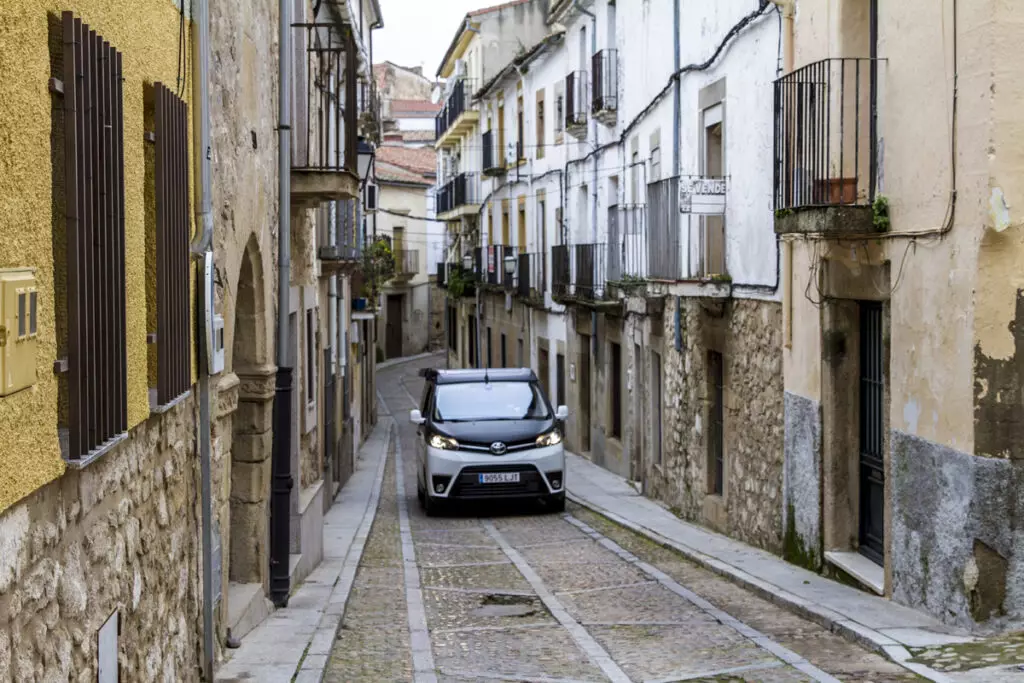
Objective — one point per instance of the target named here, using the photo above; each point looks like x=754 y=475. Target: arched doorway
x=251 y=428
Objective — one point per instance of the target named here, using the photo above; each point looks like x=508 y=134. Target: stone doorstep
x=247 y=608
x=866 y=572
x=890 y=642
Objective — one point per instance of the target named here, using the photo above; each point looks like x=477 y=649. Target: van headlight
x=552 y=438
x=445 y=443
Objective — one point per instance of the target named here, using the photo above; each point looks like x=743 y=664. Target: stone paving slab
x=278 y=649
x=871 y=621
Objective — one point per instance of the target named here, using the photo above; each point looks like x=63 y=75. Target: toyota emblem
x=498 y=448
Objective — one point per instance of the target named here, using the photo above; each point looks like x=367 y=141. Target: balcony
x=457 y=117
x=605 y=102
x=494 y=157
x=407 y=265
x=531 y=277
x=442 y=274
x=460 y=196
x=339 y=243
x=825 y=148
x=369 y=112
x=578 y=273
x=325 y=131
x=576 y=104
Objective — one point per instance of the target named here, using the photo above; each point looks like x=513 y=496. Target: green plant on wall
x=459 y=283
x=378 y=267
x=880 y=213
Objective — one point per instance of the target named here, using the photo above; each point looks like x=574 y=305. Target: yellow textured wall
x=146 y=32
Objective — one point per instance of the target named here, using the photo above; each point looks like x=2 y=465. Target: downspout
x=676 y=108
x=202 y=252
x=786 y=9
x=593 y=190
x=281 y=483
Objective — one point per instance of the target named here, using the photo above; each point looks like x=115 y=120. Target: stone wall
x=122 y=534
x=802 y=499
x=436 y=339
x=748 y=333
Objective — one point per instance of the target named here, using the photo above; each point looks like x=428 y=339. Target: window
x=520 y=126
x=475 y=401
x=504 y=358
x=714 y=167
x=560 y=379
x=634 y=171
x=521 y=227
x=559 y=121
x=716 y=426
x=540 y=124
x=501 y=129
x=655 y=157
x=506 y=235
x=490 y=224
x=615 y=370
x=490 y=349
x=95 y=384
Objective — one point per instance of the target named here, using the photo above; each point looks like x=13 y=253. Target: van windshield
x=479 y=401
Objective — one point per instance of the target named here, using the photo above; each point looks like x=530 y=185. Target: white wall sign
x=704 y=196
x=106 y=651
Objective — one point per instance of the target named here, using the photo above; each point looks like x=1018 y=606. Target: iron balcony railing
x=325 y=134
x=604 y=65
x=826 y=134
x=628 y=243
x=531 y=275
x=407 y=262
x=442 y=274
x=493 y=158
x=462 y=190
x=478 y=264
x=576 y=99
x=561 y=271
x=457 y=103
x=589 y=273
x=495 y=264
x=338 y=232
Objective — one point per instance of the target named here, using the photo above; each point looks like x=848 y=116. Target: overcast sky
x=419 y=31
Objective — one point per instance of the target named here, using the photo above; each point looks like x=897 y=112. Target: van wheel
x=431 y=505
x=556 y=503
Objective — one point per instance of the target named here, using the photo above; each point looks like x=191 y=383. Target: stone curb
x=407 y=359
x=836 y=623
x=313 y=664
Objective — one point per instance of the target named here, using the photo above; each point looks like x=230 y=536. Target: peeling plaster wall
x=802 y=541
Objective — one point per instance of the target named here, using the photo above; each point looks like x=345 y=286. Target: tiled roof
x=406 y=164
x=412 y=108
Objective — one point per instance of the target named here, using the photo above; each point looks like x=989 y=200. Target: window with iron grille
x=94 y=387
x=716 y=432
x=171 y=245
x=615 y=368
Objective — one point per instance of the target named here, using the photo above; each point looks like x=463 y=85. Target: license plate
x=499 y=478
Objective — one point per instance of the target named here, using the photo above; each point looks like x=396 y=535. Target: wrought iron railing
x=338 y=237
x=576 y=99
x=493 y=158
x=462 y=190
x=325 y=133
x=457 y=103
x=561 y=271
x=589 y=272
x=604 y=66
x=826 y=134
x=531 y=275
x=407 y=262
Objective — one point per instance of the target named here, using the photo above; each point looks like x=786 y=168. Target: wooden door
x=393 y=336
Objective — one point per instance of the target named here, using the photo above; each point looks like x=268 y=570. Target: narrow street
x=497 y=594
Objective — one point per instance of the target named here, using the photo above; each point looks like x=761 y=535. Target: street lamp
x=467 y=262
x=364 y=158
x=510 y=264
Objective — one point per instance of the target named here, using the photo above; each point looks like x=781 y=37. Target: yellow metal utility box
x=19 y=326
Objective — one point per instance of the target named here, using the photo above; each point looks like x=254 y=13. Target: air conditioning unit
x=371 y=197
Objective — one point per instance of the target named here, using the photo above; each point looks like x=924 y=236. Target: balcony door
x=713 y=232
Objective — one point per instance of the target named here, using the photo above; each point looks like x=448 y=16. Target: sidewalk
x=294 y=643
x=871 y=621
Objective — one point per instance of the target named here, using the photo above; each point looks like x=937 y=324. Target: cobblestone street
x=500 y=594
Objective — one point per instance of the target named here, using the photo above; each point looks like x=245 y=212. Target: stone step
x=247 y=607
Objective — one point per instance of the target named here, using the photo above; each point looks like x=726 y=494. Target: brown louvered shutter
x=172 y=241
x=94 y=186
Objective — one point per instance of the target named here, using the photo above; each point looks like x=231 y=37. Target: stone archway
x=251 y=427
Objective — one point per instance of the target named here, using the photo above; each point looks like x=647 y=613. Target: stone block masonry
x=118 y=535
x=748 y=334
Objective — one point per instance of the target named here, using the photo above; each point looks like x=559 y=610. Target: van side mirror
x=416 y=417
x=562 y=413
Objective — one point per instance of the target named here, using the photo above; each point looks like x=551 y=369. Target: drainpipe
x=676 y=111
x=281 y=483
x=201 y=250
x=788 y=10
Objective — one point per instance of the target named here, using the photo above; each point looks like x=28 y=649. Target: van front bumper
x=538 y=472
